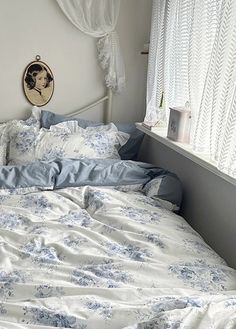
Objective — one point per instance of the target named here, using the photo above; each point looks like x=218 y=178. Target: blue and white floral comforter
x=92 y=257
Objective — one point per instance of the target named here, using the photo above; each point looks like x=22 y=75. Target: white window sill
x=202 y=160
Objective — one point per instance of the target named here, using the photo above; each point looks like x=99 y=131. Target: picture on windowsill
x=38 y=83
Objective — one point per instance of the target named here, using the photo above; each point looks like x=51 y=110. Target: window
x=192 y=58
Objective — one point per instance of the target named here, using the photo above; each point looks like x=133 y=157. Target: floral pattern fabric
x=3 y=144
x=69 y=140
x=21 y=138
x=28 y=143
x=96 y=257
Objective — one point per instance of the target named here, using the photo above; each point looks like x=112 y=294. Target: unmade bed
x=88 y=240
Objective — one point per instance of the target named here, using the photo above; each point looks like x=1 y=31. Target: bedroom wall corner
x=134 y=29
x=30 y=27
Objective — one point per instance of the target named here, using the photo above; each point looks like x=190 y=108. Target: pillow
x=22 y=136
x=166 y=187
x=128 y=151
x=3 y=143
x=69 y=140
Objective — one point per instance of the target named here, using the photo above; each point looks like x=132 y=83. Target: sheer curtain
x=98 y=19
x=215 y=131
x=168 y=57
x=205 y=20
x=155 y=81
x=193 y=58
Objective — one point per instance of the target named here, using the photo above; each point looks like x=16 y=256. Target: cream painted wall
x=134 y=29
x=31 y=27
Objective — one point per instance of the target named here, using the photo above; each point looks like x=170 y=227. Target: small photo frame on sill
x=38 y=82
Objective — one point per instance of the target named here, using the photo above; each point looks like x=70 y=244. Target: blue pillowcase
x=129 y=151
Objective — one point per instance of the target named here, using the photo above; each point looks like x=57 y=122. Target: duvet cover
x=94 y=244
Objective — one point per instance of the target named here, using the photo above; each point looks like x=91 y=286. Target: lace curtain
x=193 y=58
x=98 y=19
x=155 y=80
x=215 y=131
x=168 y=57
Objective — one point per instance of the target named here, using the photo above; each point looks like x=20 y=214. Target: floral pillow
x=69 y=140
x=3 y=143
x=22 y=135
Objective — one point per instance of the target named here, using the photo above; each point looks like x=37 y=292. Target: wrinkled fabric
x=74 y=172
x=99 y=257
x=129 y=151
x=214 y=311
x=90 y=244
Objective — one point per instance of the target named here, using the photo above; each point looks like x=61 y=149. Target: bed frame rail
x=107 y=111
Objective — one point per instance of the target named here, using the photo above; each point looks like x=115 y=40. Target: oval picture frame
x=38 y=83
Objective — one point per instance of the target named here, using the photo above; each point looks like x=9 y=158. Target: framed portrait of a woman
x=38 y=83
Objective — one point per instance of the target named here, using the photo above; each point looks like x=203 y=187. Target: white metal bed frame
x=107 y=111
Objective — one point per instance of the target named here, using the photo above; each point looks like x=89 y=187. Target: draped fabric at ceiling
x=98 y=18
x=193 y=58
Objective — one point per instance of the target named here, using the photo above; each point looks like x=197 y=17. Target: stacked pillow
x=129 y=151
x=22 y=135
x=46 y=136
x=69 y=140
x=28 y=142
x=3 y=143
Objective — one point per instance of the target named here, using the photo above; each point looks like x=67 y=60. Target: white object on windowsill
x=179 y=124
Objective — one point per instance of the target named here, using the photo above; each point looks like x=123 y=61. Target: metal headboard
x=107 y=112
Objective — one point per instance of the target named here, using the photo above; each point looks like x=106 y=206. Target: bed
x=91 y=239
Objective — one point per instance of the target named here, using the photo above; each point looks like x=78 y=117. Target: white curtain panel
x=181 y=43
x=176 y=85
x=98 y=18
x=205 y=21
x=168 y=57
x=215 y=131
x=193 y=58
x=155 y=81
